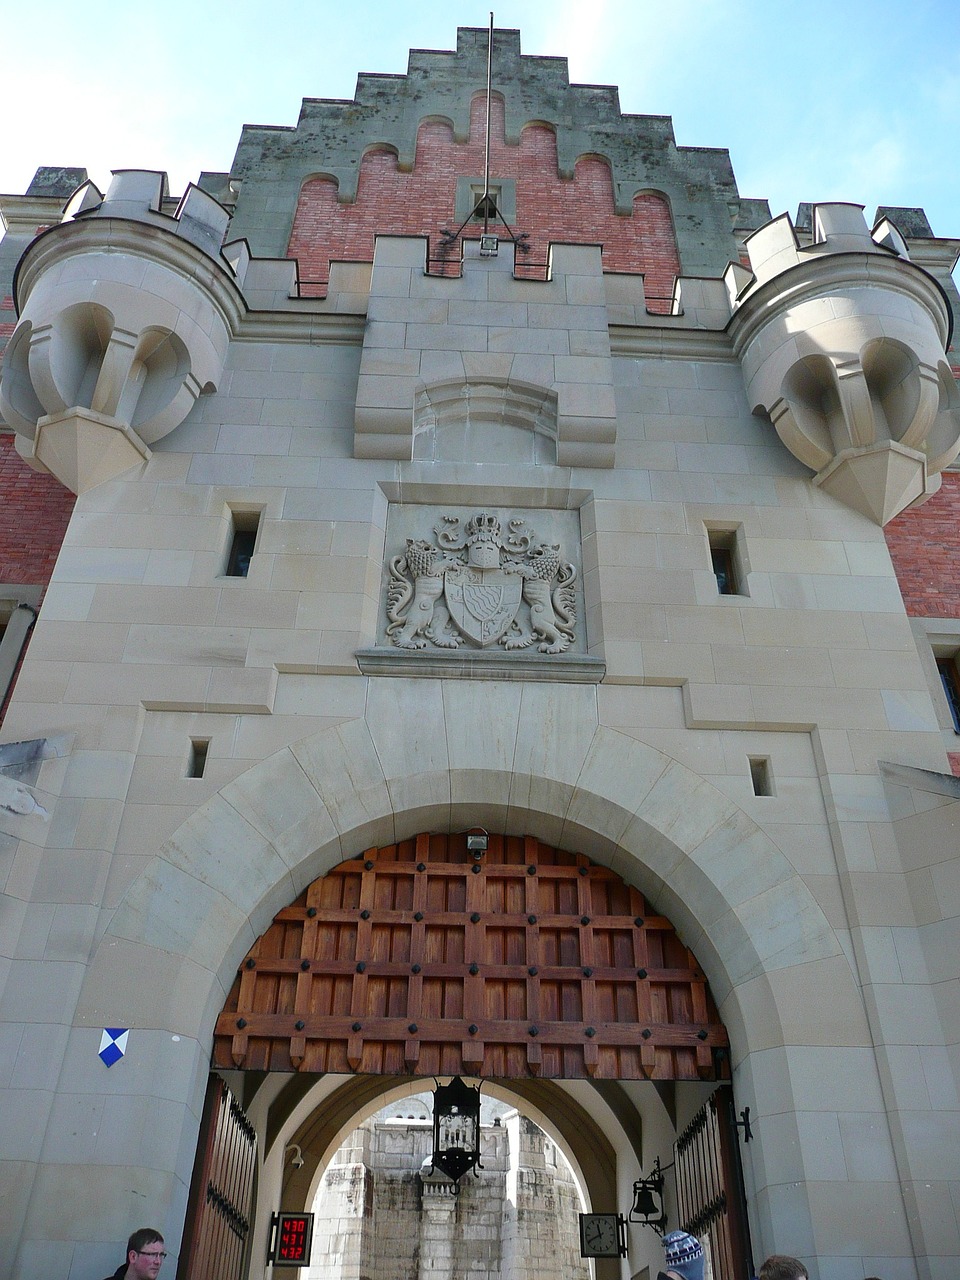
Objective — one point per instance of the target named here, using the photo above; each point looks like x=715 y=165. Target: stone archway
x=191 y=915
x=516 y=1215
x=573 y=1126
x=443 y=756
x=598 y=1126
x=521 y=965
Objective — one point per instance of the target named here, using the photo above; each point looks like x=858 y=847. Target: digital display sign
x=293 y=1235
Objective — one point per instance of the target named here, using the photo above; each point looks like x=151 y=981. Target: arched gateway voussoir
x=434 y=757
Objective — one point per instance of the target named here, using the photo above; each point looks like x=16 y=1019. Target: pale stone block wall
x=134 y=900
x=516 y=1220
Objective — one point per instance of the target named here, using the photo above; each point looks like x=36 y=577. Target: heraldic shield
x=482 y=602
x=477 y=586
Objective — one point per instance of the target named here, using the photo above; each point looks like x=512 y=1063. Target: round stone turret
x=125 y=316
x=842 y=344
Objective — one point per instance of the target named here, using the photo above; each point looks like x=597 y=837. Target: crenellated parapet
x=843 y=345
x=126 y=313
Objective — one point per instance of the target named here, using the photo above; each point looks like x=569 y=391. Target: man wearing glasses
x=145 y=1253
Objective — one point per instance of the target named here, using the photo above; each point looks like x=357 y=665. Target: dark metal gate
x=710 y=1197
x=222 y=1191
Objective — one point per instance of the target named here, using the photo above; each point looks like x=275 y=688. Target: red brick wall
x=549 y=208
x=8 y=320
x=34 y=512
x=925 y=548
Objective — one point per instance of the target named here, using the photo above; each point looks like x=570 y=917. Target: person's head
x=683 y=1255
x=781 y=1267
x=145 y=1254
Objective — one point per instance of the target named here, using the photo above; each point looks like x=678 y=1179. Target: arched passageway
x=380 y=1197
x=190 y=917
x=524 y=964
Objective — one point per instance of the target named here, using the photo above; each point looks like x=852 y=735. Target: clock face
x=599 y=1237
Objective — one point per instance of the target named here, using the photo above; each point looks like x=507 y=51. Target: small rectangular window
x=485 y=207
x=760 y=775
x=950 y=679
x=8 y=607
x=16 y=621
x=722 y=559
x=244 y=527
x=197 y=757
x=726 y=560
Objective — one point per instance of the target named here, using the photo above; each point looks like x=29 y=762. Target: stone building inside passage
x=384 y=1211
x=488 y=625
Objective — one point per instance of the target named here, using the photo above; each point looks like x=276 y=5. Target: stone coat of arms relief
x=478 y=586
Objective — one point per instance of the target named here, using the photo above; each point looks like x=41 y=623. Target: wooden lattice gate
x=710 y=1186
x=222 y=1191
x=418 y=959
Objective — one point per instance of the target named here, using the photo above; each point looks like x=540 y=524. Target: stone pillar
x=343 y=1213
x=512 y=1259
x=438 y=1217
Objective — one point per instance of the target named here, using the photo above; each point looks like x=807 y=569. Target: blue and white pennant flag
x=113 y=1044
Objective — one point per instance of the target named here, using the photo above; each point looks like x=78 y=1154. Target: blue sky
x=845 y=100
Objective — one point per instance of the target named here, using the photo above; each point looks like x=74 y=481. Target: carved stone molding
x=474 y=419
x=568 y=668
x=517 y=595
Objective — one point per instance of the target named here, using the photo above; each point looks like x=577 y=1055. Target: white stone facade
x=826 y=913
x=381 y=1214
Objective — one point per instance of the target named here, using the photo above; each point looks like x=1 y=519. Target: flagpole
x=486 y=154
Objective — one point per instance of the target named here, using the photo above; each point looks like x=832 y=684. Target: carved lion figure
x=552 y=615
x=427 y=618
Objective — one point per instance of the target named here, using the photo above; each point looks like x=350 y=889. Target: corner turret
x=125 y=317
x=843 y=345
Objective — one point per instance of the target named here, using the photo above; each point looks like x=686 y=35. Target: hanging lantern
x=456 y=1128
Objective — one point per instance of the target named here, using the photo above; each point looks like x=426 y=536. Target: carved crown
x=483 y=527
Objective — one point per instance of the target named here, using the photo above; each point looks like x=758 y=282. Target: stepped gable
x=332 y=135
x=440 y=192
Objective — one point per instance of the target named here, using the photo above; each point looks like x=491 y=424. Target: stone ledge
x=944 y=784
x=478 y=664
x=672 y=342
x=311 y=326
